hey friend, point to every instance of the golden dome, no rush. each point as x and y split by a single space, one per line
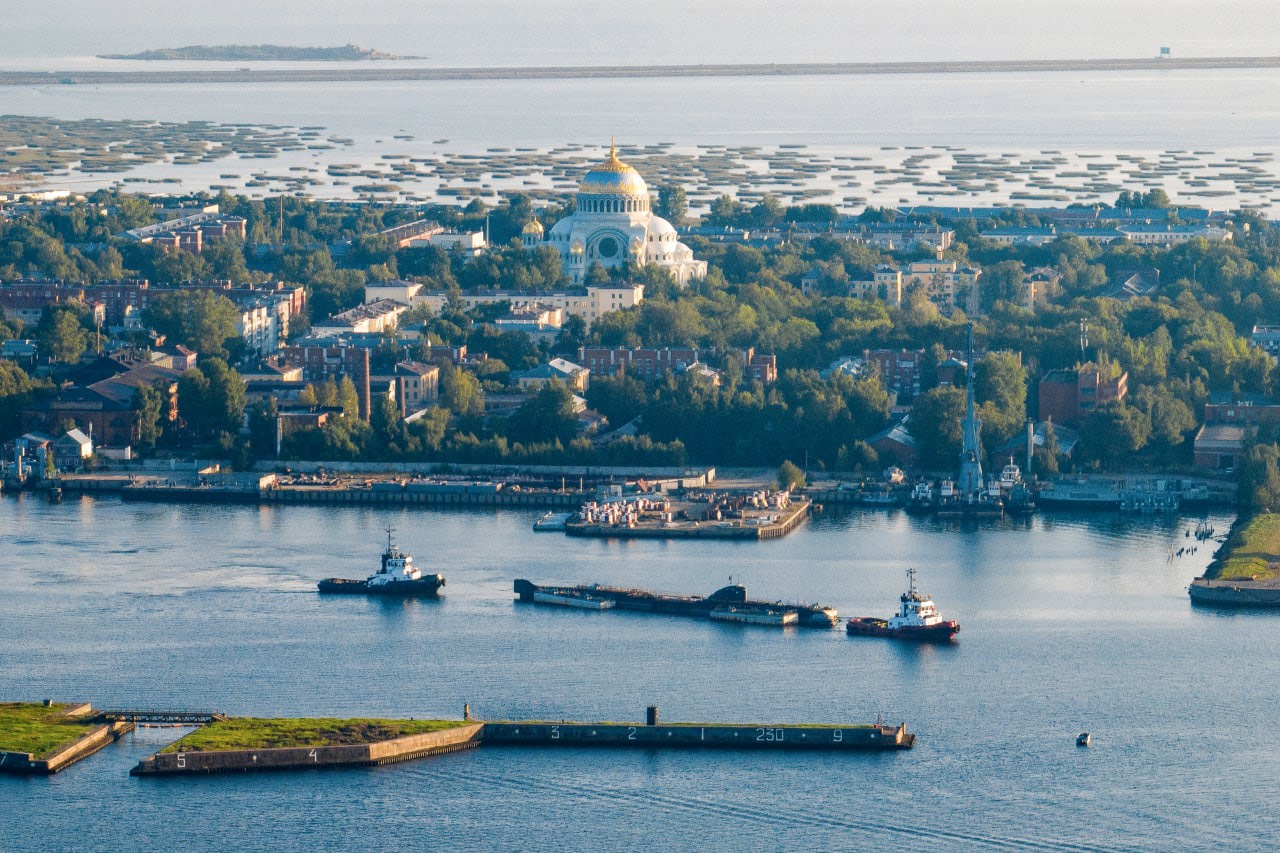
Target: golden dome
613 177
534 227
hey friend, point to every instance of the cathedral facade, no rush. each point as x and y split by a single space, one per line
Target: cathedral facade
613 224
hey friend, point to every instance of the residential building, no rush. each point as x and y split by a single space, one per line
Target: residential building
946 284
899 371
1037 286
759 368
885 284
646 364
71 450
22 352
1267 339
574 376
1068 396
369 318
111 422
418 385
467 242
1021 235
322 360
1165 235
591 305
191 232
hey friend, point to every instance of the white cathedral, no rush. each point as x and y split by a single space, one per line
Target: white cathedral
613 224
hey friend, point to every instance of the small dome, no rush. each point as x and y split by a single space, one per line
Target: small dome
660 227
613 177
534 227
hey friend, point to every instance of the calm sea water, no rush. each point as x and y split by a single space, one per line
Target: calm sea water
1071 623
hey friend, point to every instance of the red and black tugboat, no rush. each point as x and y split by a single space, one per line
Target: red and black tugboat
917 619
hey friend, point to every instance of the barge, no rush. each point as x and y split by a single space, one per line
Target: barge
727 604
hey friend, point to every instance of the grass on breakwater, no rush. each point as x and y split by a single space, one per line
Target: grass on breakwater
1253 552
259 733
38 729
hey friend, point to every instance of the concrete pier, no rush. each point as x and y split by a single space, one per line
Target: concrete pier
699 736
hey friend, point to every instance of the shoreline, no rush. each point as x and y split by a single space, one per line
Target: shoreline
349 75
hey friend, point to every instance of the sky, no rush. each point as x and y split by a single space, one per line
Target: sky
489 32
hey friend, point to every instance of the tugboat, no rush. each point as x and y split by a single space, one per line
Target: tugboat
398 576
917 619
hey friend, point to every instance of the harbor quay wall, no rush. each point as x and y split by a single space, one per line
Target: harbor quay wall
93 740
695 478
692 736
411 497
296 758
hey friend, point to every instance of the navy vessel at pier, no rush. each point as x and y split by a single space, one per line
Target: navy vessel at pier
727 604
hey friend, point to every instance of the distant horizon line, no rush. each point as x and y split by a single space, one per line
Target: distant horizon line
556 72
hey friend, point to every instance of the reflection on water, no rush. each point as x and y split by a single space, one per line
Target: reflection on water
1069 623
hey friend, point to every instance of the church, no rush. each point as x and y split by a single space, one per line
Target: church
613 224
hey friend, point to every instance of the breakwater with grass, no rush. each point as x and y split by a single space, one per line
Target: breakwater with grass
42 738
1245 571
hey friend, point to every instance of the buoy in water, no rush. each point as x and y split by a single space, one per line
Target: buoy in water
1084 739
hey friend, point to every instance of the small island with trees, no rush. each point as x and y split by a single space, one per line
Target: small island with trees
258 53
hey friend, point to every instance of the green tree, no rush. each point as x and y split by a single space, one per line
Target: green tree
149 403
935 424
17 389
547 416
673 204
387 429
790 476
61 336
1000 386
200 319
1111 433
348 398
460 391
619 398
1046 458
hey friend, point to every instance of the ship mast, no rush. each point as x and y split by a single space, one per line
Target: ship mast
971 430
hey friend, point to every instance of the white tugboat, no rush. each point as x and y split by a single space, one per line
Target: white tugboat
917 619
397 576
